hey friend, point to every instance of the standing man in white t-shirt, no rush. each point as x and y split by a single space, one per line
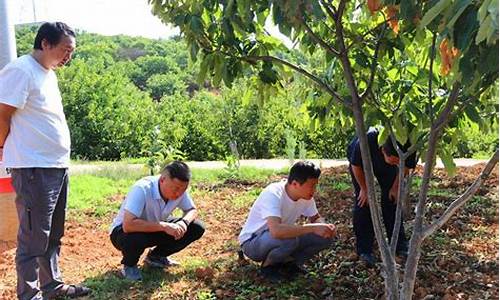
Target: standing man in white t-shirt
270 234
35 145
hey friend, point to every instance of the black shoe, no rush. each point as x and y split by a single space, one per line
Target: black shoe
368 259
272 273
293 269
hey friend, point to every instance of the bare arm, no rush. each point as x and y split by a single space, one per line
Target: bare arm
190 215
6 112
318 219
131 223
359 175
279 230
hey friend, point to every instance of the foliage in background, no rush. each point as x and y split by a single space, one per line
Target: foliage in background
117 89
109 117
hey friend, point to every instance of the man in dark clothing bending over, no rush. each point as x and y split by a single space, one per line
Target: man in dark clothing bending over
385 162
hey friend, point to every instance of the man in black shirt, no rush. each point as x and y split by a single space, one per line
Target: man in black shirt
385 162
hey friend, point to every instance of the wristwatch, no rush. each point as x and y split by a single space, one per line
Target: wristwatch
185 222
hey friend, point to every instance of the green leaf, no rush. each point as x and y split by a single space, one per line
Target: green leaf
193 51
317 11
408 9
448 162
229 9
489 62
228 30
434 12
227 74
458 8
204 68
392 74
268 74
414 134
466 65
400 131
218 66
278 15
464 29
472 114
383 134
262 16
482 34
196 25
361 59
483 10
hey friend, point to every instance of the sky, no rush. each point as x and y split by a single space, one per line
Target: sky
107 17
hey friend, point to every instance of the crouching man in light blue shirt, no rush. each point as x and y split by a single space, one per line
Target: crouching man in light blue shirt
144 220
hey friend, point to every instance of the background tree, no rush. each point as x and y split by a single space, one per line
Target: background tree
380 65
257 126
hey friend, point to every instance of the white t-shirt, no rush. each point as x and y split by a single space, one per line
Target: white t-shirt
275 202
145 202
39 135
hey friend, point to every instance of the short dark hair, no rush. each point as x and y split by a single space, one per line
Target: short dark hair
302 171
391 151
177 169
52 32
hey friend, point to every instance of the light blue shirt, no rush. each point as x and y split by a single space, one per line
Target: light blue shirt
145 202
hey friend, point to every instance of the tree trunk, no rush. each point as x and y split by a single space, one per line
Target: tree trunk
391 279
417 236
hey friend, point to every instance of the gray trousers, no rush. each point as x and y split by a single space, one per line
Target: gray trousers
41 208
262 246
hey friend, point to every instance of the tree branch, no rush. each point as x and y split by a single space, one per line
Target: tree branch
366 33
302 71
330 10
445 114
373 67
318 40
401 192
435 132
433 55
391 279
460 201
417 236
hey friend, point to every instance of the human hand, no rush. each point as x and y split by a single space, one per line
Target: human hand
362 198
172 229
333 228
394 193
325 230
183 226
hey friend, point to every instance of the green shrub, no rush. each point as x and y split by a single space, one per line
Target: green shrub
109 118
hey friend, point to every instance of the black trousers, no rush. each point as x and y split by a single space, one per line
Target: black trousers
132 245
362 221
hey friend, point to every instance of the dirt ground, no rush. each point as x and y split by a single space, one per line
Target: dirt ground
465 266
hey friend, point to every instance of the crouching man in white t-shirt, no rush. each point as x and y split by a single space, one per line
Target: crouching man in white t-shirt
270 234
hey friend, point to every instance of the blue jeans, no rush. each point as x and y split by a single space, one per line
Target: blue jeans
262 246
41 195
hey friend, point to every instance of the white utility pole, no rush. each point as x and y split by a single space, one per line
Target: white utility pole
7 35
